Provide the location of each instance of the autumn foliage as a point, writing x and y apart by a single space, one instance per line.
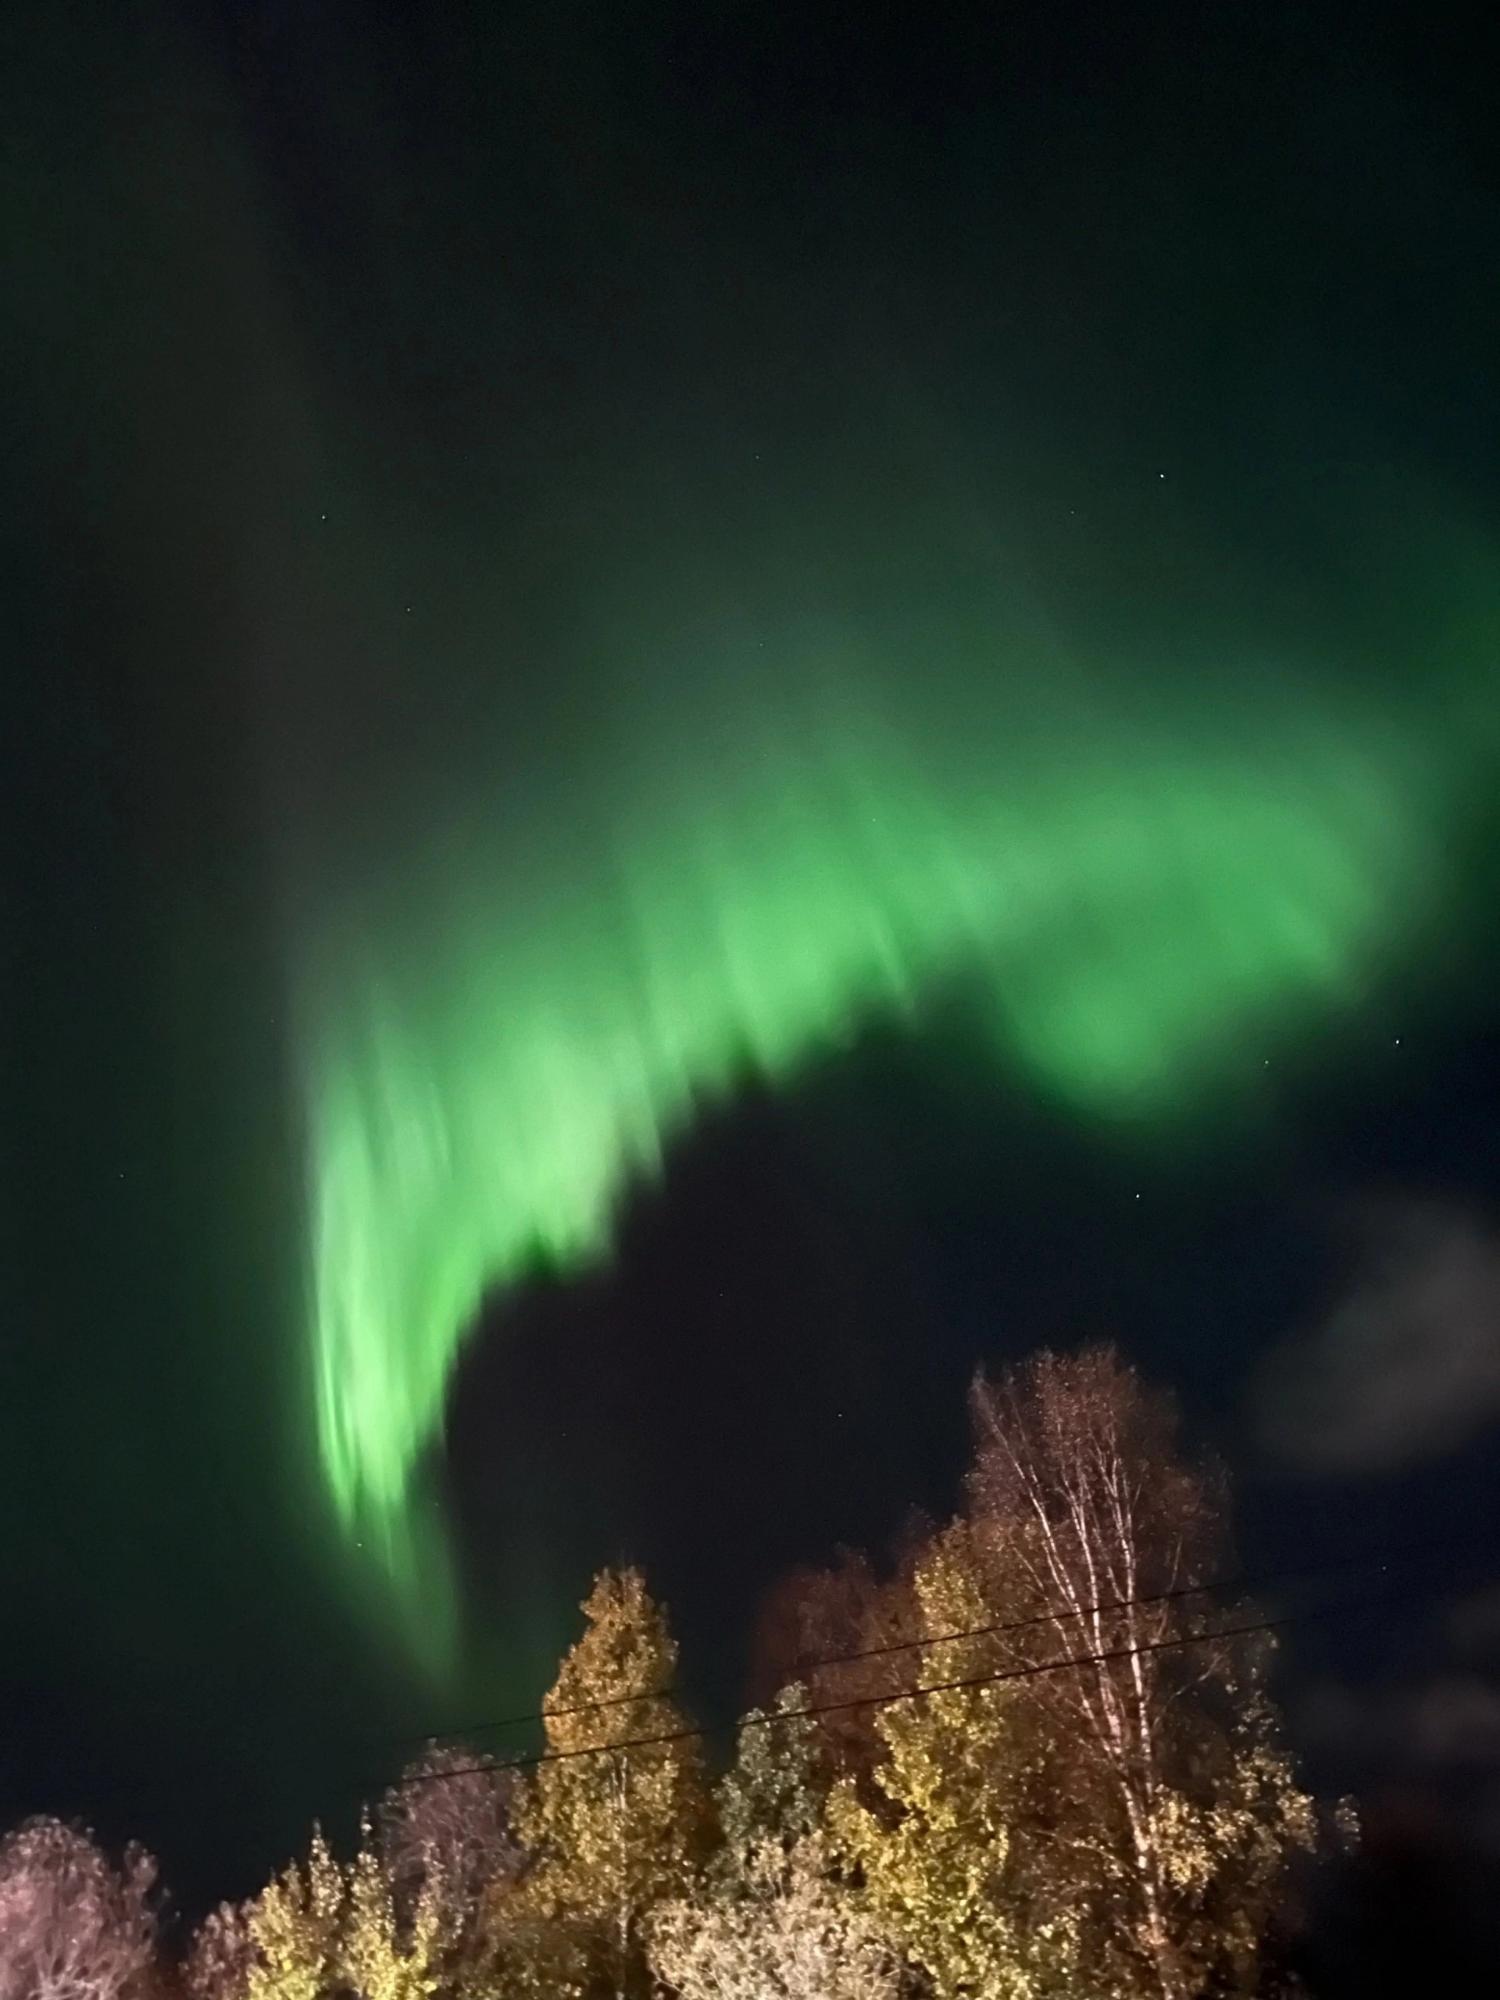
1033 1757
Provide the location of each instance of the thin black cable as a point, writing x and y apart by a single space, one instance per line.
1248 1581
812 1710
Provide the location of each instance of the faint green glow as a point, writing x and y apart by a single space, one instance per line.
505 1043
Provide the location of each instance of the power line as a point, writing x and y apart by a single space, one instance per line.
813 1710
1251 1581
543 1715
1247 1581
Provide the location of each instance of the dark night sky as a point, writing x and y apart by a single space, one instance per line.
319 312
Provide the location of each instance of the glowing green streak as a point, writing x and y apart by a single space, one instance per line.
1130 906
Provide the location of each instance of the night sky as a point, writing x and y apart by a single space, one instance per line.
709 713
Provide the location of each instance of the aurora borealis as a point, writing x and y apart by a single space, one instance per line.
715 713
508 1058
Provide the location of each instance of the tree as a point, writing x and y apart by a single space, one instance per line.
770 1918
794 1934
1072 1796
294 1928
449 1849
938 1835
218 1961
616 1812
450 1816
73 1926
839 1632
772 1796
1173 1807
381 1955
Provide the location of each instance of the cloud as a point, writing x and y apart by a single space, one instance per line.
1407 1366
1426 1737
1457 1721
1448 1721
1474 1623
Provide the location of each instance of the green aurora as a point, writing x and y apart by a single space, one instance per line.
519 1029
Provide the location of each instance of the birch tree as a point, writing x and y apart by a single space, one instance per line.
1174 1805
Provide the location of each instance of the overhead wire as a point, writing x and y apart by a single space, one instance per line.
810 1711
1242 1581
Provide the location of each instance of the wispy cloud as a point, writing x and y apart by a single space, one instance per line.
1408 1364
